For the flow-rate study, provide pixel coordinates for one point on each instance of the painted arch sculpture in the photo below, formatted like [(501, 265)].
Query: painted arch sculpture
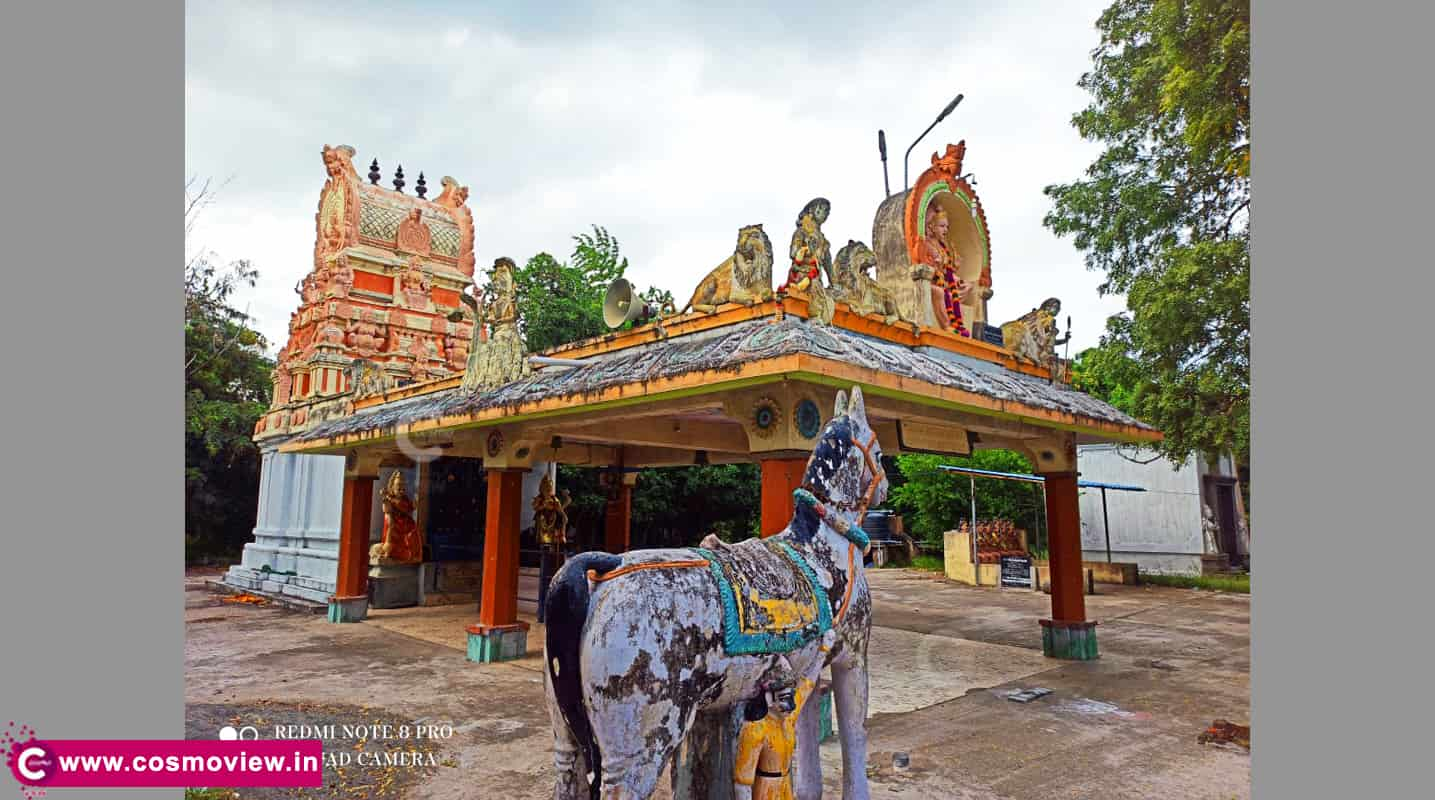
[(639, 644)]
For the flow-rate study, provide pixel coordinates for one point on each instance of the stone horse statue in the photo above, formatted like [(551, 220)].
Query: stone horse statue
[(638, 644)]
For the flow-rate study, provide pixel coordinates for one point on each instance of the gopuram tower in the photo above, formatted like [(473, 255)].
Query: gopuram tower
[(374, 314)]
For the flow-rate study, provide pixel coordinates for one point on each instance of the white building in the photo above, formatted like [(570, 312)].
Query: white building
[(1160, 529)]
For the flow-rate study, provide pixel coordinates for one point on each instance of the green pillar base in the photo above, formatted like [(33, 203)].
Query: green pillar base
[(348, 609), (1073, 641), (490, 643)]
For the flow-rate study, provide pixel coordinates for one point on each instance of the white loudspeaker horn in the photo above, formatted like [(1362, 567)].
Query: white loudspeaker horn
[(622, 305)]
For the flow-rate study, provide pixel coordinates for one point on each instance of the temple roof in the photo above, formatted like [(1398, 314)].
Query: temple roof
[(821, 351)]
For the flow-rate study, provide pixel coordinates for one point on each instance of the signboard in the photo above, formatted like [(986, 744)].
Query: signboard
[(930, 437), (1016, 571)]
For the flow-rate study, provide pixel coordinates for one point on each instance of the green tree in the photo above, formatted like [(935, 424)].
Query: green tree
[(1108, 374), (1163, 213), (560, 303), (678, 506), (226, 389), (932, 500)]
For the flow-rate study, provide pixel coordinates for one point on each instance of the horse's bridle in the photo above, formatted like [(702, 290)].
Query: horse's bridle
[(872, 467)]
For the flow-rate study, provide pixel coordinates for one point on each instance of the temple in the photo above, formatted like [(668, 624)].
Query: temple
[(384, 372), (374, 313)]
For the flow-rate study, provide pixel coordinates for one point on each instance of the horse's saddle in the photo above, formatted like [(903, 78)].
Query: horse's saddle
[(772, 602)]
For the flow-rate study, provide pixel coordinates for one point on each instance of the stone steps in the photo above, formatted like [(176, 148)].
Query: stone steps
[(283, 600), (528, 590)]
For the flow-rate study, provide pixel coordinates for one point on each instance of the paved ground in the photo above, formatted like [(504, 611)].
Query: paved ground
[(1125, 726)]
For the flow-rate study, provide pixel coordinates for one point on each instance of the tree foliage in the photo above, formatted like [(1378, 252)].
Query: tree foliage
[(933, 501), (1108, 374), (678, 506), (560, 303), (1163, 213), (226, 389)]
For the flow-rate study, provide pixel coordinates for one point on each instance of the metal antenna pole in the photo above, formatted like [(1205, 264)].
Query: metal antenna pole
[(976, 566), (939, 118), (882, 148), (1106, 524)]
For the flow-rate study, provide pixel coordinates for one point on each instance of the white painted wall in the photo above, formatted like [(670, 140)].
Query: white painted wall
[(297, 526), (1160, 528)]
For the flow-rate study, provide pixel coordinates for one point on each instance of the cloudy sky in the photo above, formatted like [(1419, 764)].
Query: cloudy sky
[(671, 126)]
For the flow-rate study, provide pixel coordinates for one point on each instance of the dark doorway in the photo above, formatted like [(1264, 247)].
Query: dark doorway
[(458, 498), (1226, 518)]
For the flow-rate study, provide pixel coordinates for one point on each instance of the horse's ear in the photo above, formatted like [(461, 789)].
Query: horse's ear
[(841, 407), (856, 409)]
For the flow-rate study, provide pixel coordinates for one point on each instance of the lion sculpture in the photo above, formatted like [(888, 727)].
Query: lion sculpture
[(857, 288), (1032, 336), (745, 277)]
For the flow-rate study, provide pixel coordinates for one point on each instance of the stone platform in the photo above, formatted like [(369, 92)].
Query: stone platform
[(394, 585)]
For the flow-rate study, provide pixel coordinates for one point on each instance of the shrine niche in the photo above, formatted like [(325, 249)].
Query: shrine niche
[(388, 269), (366, 379), (414, 287), (413, 235), (910, 255)]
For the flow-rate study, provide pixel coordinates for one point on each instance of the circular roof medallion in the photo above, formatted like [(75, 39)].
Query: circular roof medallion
[(807, 418)]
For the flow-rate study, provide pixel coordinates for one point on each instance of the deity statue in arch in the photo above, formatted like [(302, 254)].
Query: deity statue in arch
[(948, 288)]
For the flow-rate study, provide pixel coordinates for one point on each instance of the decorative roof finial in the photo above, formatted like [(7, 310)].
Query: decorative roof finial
[(374, 173), (399, 179), (421, 188)]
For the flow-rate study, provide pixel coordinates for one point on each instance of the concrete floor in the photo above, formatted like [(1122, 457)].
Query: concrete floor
[(1125, 726)]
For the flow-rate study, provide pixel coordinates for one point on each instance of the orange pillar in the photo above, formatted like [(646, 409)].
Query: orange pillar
[(350, 600), (617, 520), (780, 476), (498, 601), (1067, 634)]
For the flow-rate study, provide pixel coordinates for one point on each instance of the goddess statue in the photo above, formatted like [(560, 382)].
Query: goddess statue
[(402, 542), (811, 256), (948, 288), (550, 515)]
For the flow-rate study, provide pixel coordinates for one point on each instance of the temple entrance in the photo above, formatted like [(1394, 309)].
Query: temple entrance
[(456, 503), (1224, 494)]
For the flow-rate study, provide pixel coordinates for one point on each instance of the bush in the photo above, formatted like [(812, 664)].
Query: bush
[(933, 501), (1240, 583)]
